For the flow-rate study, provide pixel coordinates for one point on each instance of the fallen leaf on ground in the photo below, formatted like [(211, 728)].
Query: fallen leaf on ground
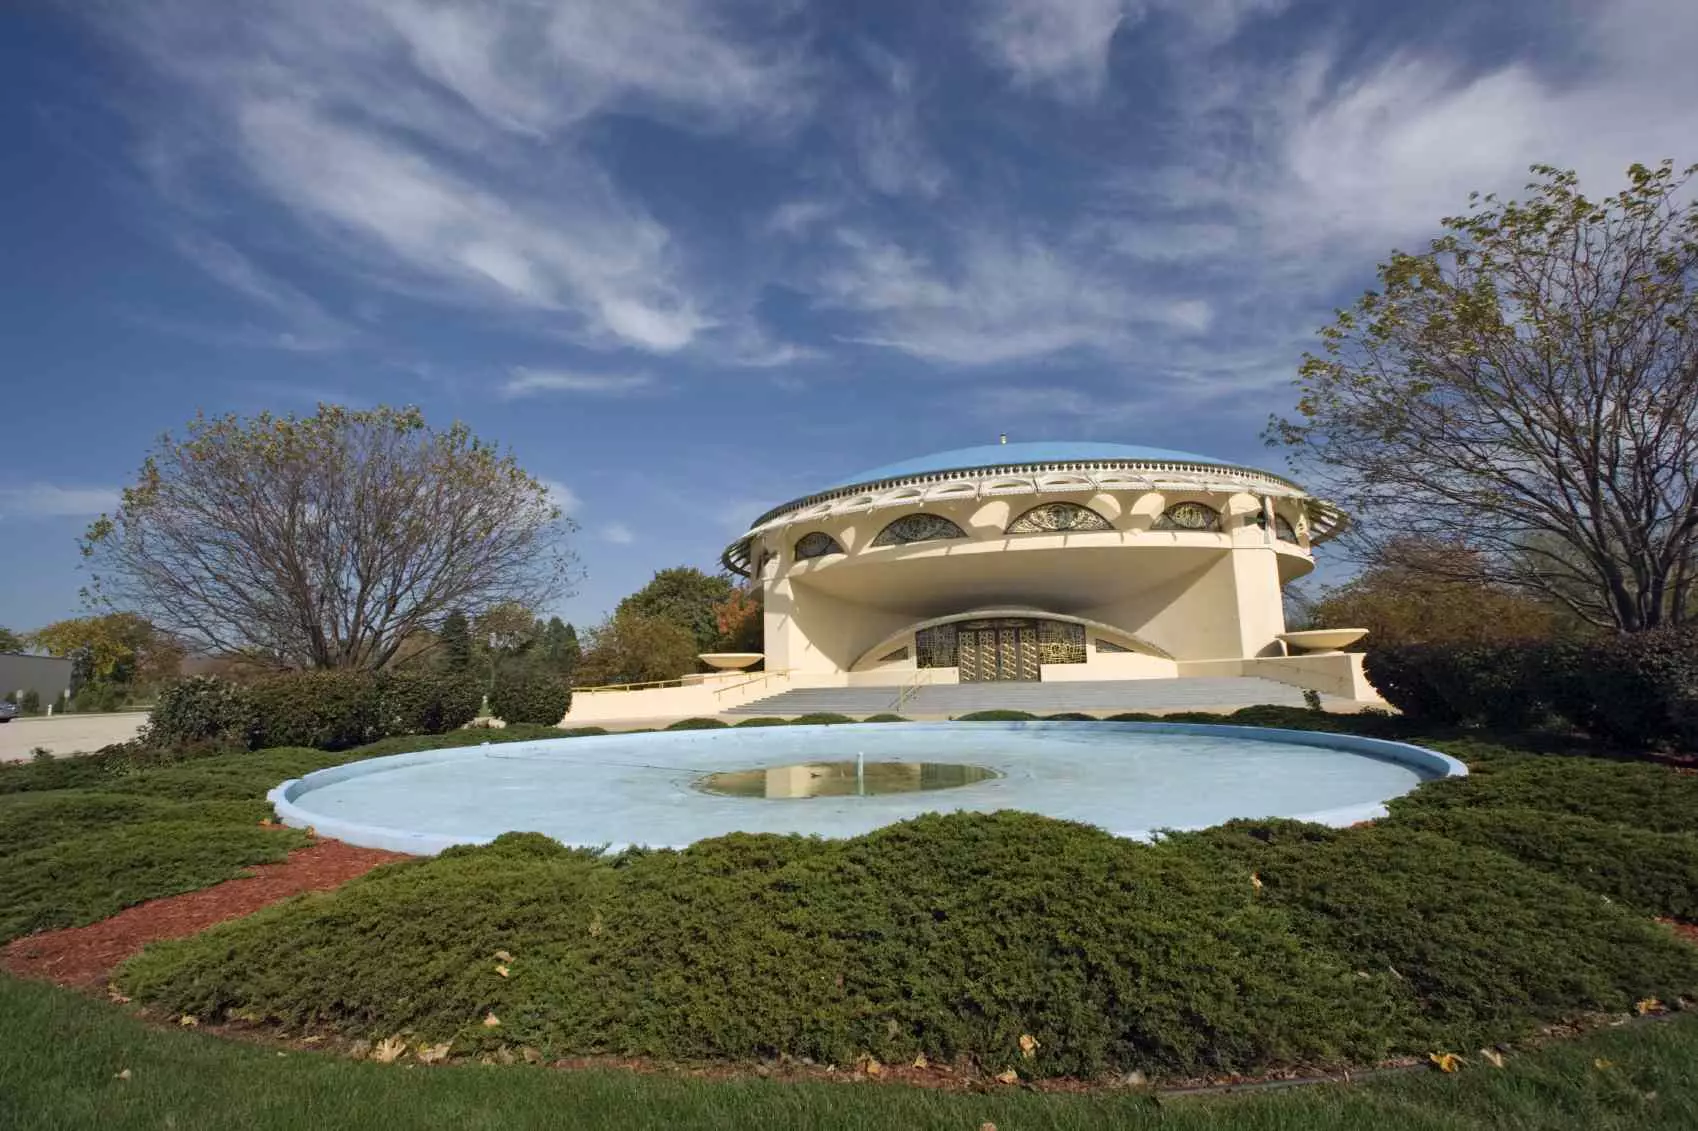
[(1493, 1057), (1600, 1064), (124, 1075), (490, 1021), (430, 1054), (1255, 881), (873, 1067), (1446, 1061), (503, 956), (1008, 1076), (1136, 1078), (502, 970), (188, 1020), (388, 1051), (1648, 1005), (1028, 1045), (920, 1061)]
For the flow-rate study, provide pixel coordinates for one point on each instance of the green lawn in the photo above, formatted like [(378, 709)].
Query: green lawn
[(60, 1056)]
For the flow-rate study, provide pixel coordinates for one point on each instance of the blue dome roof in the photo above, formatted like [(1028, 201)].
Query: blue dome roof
[(1003, 455)]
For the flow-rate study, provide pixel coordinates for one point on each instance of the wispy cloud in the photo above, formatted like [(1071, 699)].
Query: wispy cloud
[(563, 497), (53, 500), (617, 533), (1062, 46), (437, 149), (306, 325), (999, 297), (524, 382)]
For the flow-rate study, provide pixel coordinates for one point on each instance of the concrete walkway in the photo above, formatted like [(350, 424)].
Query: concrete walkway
[(66, 734)]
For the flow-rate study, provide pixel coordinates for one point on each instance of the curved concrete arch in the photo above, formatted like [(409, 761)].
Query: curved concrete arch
[(1118, 635)]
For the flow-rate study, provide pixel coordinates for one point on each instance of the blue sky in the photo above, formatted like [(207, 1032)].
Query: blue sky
[(689, 259)]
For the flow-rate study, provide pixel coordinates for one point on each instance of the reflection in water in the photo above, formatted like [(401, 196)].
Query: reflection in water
[(843, 779)]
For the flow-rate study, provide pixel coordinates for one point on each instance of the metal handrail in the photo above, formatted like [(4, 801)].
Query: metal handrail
[(908, 691), (756, 678), (631, 686)]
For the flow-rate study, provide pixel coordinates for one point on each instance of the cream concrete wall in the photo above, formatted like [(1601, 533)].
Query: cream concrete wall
[(1111, 665), (706, 698)]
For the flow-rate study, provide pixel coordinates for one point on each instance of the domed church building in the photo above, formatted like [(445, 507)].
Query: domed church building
[(1032, 561)]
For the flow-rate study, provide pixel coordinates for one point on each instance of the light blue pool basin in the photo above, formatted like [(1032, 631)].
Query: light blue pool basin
[(1132, 779)]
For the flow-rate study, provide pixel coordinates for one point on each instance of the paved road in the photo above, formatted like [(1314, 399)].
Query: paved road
[(67, 734)]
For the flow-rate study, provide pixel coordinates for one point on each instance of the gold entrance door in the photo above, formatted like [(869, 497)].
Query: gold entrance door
[(1001, 651)]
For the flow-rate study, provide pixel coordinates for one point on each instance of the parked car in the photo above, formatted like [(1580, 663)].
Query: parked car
[(8, 710)]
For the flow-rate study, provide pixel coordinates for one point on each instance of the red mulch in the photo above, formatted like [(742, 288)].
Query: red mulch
[(84, 956), (1687, 931)]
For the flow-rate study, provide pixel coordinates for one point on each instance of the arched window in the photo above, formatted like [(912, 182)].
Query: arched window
[(1058, 518), (1283, 530), (816, 545), (1189, 517), (918, 528)]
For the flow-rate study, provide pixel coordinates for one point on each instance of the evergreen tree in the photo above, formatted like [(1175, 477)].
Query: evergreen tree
[(456, 639)]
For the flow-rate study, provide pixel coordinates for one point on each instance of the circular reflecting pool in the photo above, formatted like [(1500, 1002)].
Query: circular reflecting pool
[(673, 788), (858, 778)]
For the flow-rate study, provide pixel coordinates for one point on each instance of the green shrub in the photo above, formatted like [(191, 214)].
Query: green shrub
[(948, 935), (580, 732), (530, 697), (1487, 946), (699, 724), (996, 716), (1403, 675), (29, 703), (1640, 689), (1657, 873), (884, 717), (821, 718), (1070, 717), (201, 710), (428, 702), (763, 721), (1640, 794), (327, 710), (1133, 717)]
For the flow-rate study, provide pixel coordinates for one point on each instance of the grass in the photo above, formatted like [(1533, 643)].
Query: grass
[(60, 1056), (83, 838), (1481, 897)]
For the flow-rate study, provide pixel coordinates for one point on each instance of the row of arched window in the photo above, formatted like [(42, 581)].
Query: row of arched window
[(1046, 518)]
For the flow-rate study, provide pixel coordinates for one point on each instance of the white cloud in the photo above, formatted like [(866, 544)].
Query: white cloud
[(52, 500), (999, 298), (563, 497), (1062, 46), (618, 533), (308, 326), (436, 149), (524, 382), (796, 218), (885, 130)]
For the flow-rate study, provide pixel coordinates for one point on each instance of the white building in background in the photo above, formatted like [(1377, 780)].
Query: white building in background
[(1027, 562)]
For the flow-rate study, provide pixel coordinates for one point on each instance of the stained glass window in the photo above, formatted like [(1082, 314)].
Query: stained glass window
[(1283, 530), (1189, 516), (935, 647), (816, 545), (1058, 518), (918, 528), (1060, 642)]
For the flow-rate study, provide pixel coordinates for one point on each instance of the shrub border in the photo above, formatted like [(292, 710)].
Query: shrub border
[(285, 796)]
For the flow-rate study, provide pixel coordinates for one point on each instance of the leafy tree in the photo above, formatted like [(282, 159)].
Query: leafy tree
[(325, 541), (740, 621), (508, 629), (559, 647), (634, 647), (10, 641), (455, 641), (1527, 386), (686, 597), (1404, 599), (117, 649)]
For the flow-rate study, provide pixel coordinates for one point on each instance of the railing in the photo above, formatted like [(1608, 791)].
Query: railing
[(756, 678), (908, 691), (632, 686)]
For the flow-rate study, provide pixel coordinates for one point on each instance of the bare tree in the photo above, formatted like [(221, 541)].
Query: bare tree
[(1528, 387), (325, 541)]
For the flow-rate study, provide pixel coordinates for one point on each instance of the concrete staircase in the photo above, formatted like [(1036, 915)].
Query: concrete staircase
[(951, 699)]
